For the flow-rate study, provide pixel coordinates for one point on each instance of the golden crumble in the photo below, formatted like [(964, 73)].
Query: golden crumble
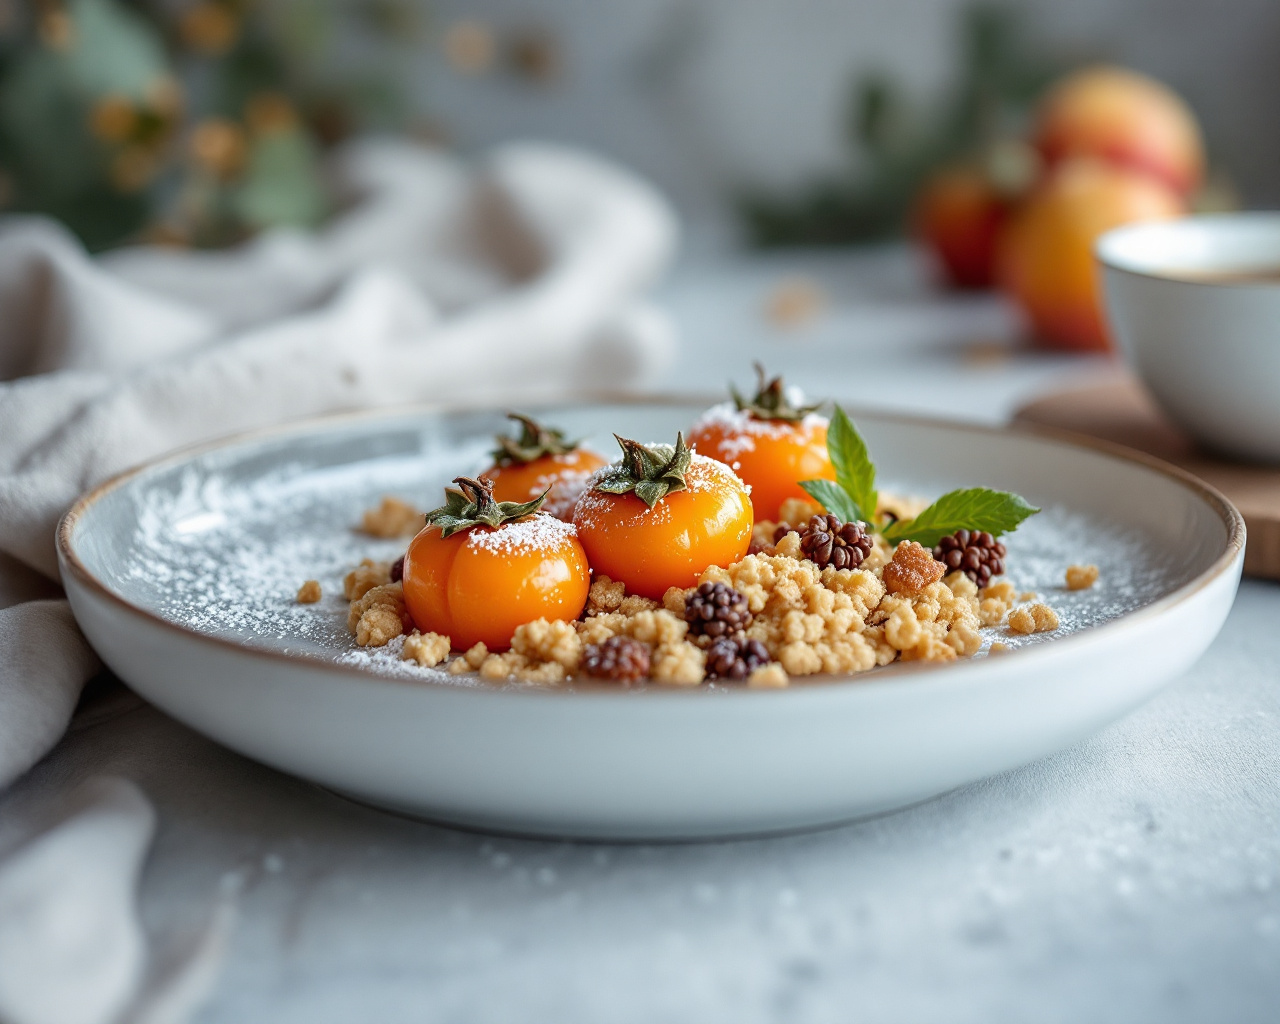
[(605, 595), (999, 648), (677, 664), (1028, 595), (771, 676), (796, 511), (542, 640), (518, 666), (912, 568), (309, 592), (1035, 618), (392, 518), (379, 615), (469, 661), (994, 602), (633, 604), (364, 577), (427, 649), (1081, 577), (673, 601), (900, 506)]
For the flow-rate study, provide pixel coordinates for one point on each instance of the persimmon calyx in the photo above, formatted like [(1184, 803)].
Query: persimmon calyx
[(534, 442), (651, 471), (771, 401), (471, 504)]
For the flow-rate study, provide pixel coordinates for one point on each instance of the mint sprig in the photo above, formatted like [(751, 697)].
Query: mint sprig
[(971, 508), (852, 496), (855, 472), (831, 496)]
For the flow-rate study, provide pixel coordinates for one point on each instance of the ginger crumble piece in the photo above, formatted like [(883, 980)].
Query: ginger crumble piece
[(1081, 577), (392, 518), (912, 569), (309, 592), (427, 649), (999, 648)]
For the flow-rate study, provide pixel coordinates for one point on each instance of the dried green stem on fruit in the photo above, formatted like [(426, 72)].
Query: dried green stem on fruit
[(770, 401), (471, 504), (534, 442), (651, 472)]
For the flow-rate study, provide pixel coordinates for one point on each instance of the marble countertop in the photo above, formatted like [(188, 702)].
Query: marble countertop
[(1134, 877)]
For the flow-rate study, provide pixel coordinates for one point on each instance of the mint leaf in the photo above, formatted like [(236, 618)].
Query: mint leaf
[(831, 496), (972, 508), (855, 472)]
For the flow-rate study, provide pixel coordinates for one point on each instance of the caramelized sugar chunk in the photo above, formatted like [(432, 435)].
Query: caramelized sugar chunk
[(912, 569)]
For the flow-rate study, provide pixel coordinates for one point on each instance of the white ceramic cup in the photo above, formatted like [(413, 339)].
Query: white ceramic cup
[(1208, 350)]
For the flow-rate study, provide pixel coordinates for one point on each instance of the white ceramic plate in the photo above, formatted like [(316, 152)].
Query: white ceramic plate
[(182, 574)]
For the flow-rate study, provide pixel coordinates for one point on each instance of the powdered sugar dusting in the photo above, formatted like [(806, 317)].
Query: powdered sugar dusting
[(538, 532), (740, 429)]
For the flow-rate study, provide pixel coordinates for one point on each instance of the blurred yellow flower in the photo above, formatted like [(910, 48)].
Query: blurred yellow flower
[(219, 146), (164, 94), (133, 168), (112, 118), (469, 47), (535, 54), (56, 30), (209, 27), (269, 112)]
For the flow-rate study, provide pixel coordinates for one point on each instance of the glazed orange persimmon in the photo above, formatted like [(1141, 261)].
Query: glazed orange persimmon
[(770, 443), (541, 461), (661, 515), (481, 568)]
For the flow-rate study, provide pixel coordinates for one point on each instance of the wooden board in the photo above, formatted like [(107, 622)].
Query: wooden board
[(1119, 409)]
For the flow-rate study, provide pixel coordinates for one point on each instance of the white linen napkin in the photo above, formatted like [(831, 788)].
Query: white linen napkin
[(520, 276)]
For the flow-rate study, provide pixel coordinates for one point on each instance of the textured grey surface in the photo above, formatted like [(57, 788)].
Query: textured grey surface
[(1135, 877)]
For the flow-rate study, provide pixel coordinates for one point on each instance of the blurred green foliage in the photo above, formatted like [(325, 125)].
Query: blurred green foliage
[(196, 122), (893, 146)]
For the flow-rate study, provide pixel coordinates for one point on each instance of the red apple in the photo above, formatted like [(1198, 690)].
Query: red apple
[(1124, 118), (1046, 260)]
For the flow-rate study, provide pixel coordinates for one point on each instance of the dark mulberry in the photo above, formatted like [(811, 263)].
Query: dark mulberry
[(716, 610), (619, 658), (826, 541), (978, 555), (735, 657)]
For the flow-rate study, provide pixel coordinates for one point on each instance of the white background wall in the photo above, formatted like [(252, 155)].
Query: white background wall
[(705, 94)]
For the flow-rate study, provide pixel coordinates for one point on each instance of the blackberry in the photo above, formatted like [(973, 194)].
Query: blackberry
[(978, 555), (619, 658), (735, 657), (826, 541), (716, 610), (397, 570)]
